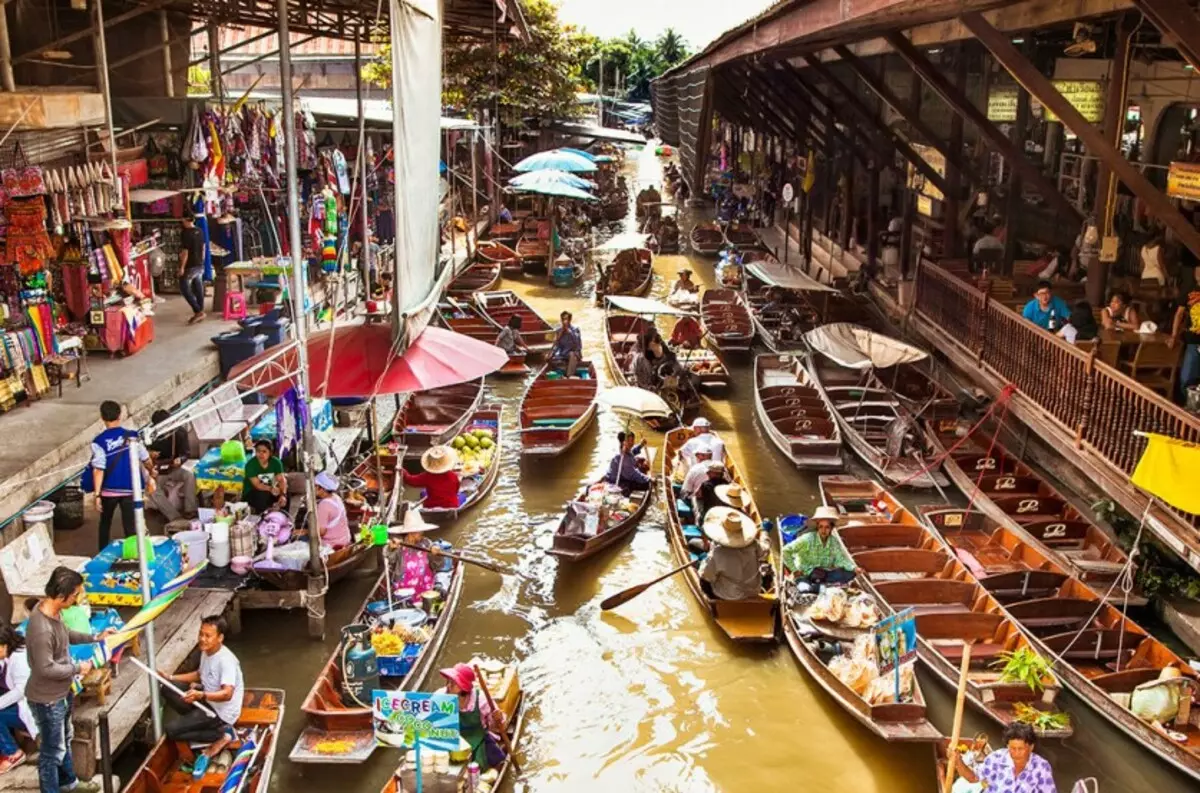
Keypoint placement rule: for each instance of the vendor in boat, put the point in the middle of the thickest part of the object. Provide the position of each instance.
(479, 724)
(218, 684)
(568, 345)
(731, 569)
(509, 339)
(416, 572)
(816, 557)
(627, 469)
(1014, 769)
(331, 513)
(702, 438)
(684, 283)
(264, 486)
(439, 479)
(687, 333)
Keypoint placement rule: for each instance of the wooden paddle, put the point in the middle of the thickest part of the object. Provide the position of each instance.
(504, 732)
(626, 595)
(952, 752)
(486, 565)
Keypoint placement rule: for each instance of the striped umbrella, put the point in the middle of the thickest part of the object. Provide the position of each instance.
(235, 778)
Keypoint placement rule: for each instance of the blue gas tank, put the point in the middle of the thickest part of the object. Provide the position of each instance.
(360, 667)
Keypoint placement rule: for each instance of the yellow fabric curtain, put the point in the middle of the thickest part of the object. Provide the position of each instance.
(1168, 470)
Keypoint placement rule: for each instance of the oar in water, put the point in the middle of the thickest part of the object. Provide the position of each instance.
(485, 564)
(626, 595)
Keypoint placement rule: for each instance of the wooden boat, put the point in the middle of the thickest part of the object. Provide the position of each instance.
(794, 413)
(1017, 496)
(577, 547)
(892, 721)
(705, 366)
(726, 321)
(707, 239)
(535, 254)
(337, 733)
(162, 770)
(536, 332)
(506, 691)
(499, 253)
(371, 486)
(475, 480)
(643, 260)
(621, 334)
(433, 417)
(799, 308)
(502, 233)
(556, 410)
(742, 236)
(866, 410)
(746, 621)
(480, 276)
(615, 207)
(463, 317)
(1104, 655)
(908, 567)
(338, 565)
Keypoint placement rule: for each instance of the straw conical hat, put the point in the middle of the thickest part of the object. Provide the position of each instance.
(413, 523)
(439, 460)
(734, 495)
(730, 528)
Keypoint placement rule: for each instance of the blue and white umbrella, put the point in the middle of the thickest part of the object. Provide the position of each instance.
(556, 160)
(550, 176)
(580, 152)
(558, 190)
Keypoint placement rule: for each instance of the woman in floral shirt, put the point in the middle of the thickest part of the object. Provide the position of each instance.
(1014, 769)
(415, 572)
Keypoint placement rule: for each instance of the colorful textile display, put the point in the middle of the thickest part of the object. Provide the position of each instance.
(1167, 470)
(27, 244)
(41, 321)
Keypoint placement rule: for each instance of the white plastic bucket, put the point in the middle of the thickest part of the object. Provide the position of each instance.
(194, 547)
(39, 512)
(218, 553)
(219, 532)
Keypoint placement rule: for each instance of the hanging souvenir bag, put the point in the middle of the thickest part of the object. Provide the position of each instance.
(21, 179)
(195, 150)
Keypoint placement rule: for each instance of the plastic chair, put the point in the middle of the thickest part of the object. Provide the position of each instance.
(235, 306)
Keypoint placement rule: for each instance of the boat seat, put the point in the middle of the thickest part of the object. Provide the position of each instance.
(563, 422)
(981, 651)
(934, 608)
(692, 531)
(684, 508)
(1095, 565)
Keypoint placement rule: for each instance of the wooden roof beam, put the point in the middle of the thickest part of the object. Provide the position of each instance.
(1039, 86)
(787, 97)
(827, 112)
(749, 103)
(782, 125)
(961, 104)
(1176, 19)
(799, 123)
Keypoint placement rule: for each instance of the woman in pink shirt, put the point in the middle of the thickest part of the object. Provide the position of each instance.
(331, 513)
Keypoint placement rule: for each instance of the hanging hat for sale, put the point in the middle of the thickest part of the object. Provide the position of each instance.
(730, 528)
(439, 460)
(414, 523)
(734, 495)
(460, 675)
(826, 513)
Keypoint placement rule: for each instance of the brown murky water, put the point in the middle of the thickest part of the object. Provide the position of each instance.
(650, 697)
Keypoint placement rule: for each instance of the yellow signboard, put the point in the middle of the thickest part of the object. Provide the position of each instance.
(925, 206)
(1002, 104)
(917, 180)
(1183, 181)
(1085, 96)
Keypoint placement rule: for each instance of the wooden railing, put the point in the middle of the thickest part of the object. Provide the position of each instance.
(1091, 402)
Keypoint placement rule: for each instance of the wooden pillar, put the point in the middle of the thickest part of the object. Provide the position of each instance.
(828, 185)
(847, 205)
(1013, 203)
(164, 34)
(954, 176)
(873, 215)
(909, 205)
(214, 61)
(6, 70)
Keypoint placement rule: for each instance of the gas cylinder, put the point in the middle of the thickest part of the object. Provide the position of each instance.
(360, 668)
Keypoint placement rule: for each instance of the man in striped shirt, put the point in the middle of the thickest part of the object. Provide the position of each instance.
(816, 558)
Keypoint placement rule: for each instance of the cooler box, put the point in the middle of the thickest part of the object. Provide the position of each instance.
(111, 581)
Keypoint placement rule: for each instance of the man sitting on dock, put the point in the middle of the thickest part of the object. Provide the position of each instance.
(815, 558)
(218, 686)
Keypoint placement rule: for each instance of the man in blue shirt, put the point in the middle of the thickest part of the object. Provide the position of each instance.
(568, 346)
(112, 475)
(1047, 310)
(625, 469)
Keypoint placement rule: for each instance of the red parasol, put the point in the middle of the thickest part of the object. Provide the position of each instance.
(363, 364)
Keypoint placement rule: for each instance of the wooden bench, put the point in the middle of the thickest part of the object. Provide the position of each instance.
(26, 564)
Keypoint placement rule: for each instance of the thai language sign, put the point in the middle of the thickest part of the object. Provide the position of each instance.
(401, 717)
(926, 192)
(1183, 180)
(1085, 96)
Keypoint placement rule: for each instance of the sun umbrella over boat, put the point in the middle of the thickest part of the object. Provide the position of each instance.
(580, 152)
(634, 402)
(855, 347)
(557, 190)
(358, 361)
(550, 176)
(556, 160)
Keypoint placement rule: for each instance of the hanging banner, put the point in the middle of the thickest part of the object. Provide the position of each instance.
(925, 205)
(401, 717)
(896, 640)
(1085, 96)
(1183, 180)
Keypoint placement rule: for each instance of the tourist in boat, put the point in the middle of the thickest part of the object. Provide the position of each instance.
(1046, 310)
(651, 355)
(14, 708)
(731, 569)
(1013, 769)
(218, 684)
(698, 474)
(816, 557)
(331, 513)
(479, 724)
(627, 467)
(416, 572)
(706, 494)
(509, 339)
(1120, 313)
(264, 486)
(702, 438)
(439, 479)
(568, 345)
(1081, 325)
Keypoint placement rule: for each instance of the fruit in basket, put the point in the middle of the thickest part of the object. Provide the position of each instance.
(486, 443)
(458, 443)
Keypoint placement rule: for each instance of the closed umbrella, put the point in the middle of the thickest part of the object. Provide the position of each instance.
(557, 160)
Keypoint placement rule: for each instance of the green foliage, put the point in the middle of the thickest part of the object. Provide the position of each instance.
(1159, 572)
(1041, 720)
(635, 61)
(1023, 666)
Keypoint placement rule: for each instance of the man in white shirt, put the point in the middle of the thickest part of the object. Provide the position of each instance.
(696, 474)
(702, 438)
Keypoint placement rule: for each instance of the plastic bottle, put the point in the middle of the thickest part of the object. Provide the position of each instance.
(473, 777)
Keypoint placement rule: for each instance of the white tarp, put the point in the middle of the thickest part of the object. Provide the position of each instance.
(855, 347)
(416, 28)
(775, 273)
(644, 305)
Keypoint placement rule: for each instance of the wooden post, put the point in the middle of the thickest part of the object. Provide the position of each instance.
(828, 185)
(909, 207)
(7, 82)
(164, 34)
(954, 174)
(214, 61)
(847, 207)
(1013, 203)
(873, 216)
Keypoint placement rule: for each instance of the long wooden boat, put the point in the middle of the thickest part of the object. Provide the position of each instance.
(371, 488)
(707, 238)
(742, 236)
(510, 699)
(906, 566)
(338, 565)
(475, 478)
(1017, 496)
(705, 365)
(768, 313)
(463, 317)
(1104, 655)
(499, 233)
(621, 335)
(163, 769)
(577, 547)
(536, 332)
(644, 262)
(338, 733)
(892, 721)
(480, 276)
(743, 621)
(535, 253)
(431, 418)
(556, 410)
(795, 414)
(726, 321)
(865, 409)
(499, 253)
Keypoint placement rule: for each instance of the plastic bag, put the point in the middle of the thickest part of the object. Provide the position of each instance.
(829, 606)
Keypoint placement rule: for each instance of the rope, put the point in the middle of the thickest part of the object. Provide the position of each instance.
(991, 449)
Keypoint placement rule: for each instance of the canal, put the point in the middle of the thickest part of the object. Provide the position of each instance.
(649, 697)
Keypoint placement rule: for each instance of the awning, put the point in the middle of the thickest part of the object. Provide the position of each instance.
(644, 305)
(360, 363)
(855, 347)
(592, 131)
(775, 273)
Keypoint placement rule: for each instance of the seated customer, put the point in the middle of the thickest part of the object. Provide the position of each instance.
(1120, 313)
(816, 557)
(14, 709)
(706, 494)
(264, 486)
(1081, 326)
(439, 479)
(1046, 310)
(175, 496)
(731, 570)
(218, 685)
(697, 474)
(625, 469)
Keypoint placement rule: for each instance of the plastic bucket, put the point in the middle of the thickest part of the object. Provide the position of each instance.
(194, 547)
(790, 527)
(218, 553)
(39, 512)
(218, 532)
